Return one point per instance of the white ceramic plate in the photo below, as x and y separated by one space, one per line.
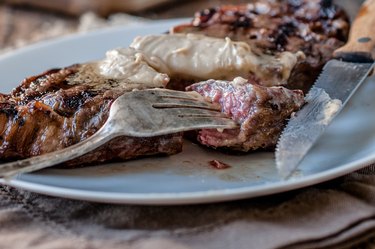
348 144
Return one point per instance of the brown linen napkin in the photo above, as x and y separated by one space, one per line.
331 215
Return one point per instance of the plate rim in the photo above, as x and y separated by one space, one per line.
198 197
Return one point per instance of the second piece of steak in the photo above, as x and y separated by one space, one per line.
315 27
261 111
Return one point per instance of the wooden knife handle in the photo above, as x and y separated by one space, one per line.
361 42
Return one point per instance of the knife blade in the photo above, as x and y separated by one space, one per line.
339 80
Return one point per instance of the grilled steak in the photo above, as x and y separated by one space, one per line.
260 110
62 107
315 27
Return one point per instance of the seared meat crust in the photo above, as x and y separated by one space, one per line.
50 111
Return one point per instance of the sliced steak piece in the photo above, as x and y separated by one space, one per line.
261 111
62 107
314 27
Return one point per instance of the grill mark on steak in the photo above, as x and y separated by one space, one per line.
314 27
51 111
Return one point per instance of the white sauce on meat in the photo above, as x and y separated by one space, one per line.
130 64
192 56
124 68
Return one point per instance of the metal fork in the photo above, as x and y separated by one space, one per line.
144 113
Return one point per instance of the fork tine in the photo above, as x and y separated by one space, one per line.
181 103
201 118
191 111
179 94
209 122
172 102
171 99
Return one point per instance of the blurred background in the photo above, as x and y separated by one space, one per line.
27 21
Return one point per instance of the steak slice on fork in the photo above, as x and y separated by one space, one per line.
260 111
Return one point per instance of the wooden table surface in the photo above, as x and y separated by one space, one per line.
23 25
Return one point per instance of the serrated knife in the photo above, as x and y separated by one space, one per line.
338 81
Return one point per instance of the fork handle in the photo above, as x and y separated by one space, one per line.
102 136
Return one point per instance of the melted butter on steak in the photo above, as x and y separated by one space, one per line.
199 57
124 69
132 65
